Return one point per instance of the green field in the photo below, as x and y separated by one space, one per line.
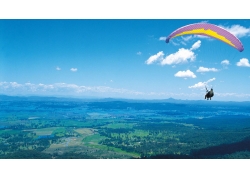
120 125
93 141
84 131
79 129
44 131
9 131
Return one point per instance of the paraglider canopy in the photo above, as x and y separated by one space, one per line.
210 30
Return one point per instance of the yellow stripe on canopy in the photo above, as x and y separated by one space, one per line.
208 32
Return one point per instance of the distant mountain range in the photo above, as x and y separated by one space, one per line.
95 99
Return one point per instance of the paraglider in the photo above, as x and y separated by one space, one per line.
210 30
209 94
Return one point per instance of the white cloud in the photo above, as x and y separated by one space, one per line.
73 69
237 30
198 85
201 85
225 62
58 68
237 95
15 84
181 56
162 38
243 62
204 69
156 57
64 89
210 80
196 45
59 88
139 53
185 74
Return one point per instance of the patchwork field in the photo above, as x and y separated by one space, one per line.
81 130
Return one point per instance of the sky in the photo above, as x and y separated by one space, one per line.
109 59
122 58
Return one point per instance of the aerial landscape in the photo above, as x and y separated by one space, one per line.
124 89
40 127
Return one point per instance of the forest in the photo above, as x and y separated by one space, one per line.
67 128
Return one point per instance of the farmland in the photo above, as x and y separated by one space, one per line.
110 129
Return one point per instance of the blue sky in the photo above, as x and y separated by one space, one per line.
121 58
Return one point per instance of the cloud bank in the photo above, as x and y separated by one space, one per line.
55 88
64 89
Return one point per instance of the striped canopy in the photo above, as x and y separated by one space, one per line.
210 30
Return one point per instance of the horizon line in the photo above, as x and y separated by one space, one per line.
120 98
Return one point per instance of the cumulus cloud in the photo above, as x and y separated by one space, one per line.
196 45
162 38
201 85
181 56
139 53
204 69
185 74
58 68
238 30
73 69
243 62
225 62
156 57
